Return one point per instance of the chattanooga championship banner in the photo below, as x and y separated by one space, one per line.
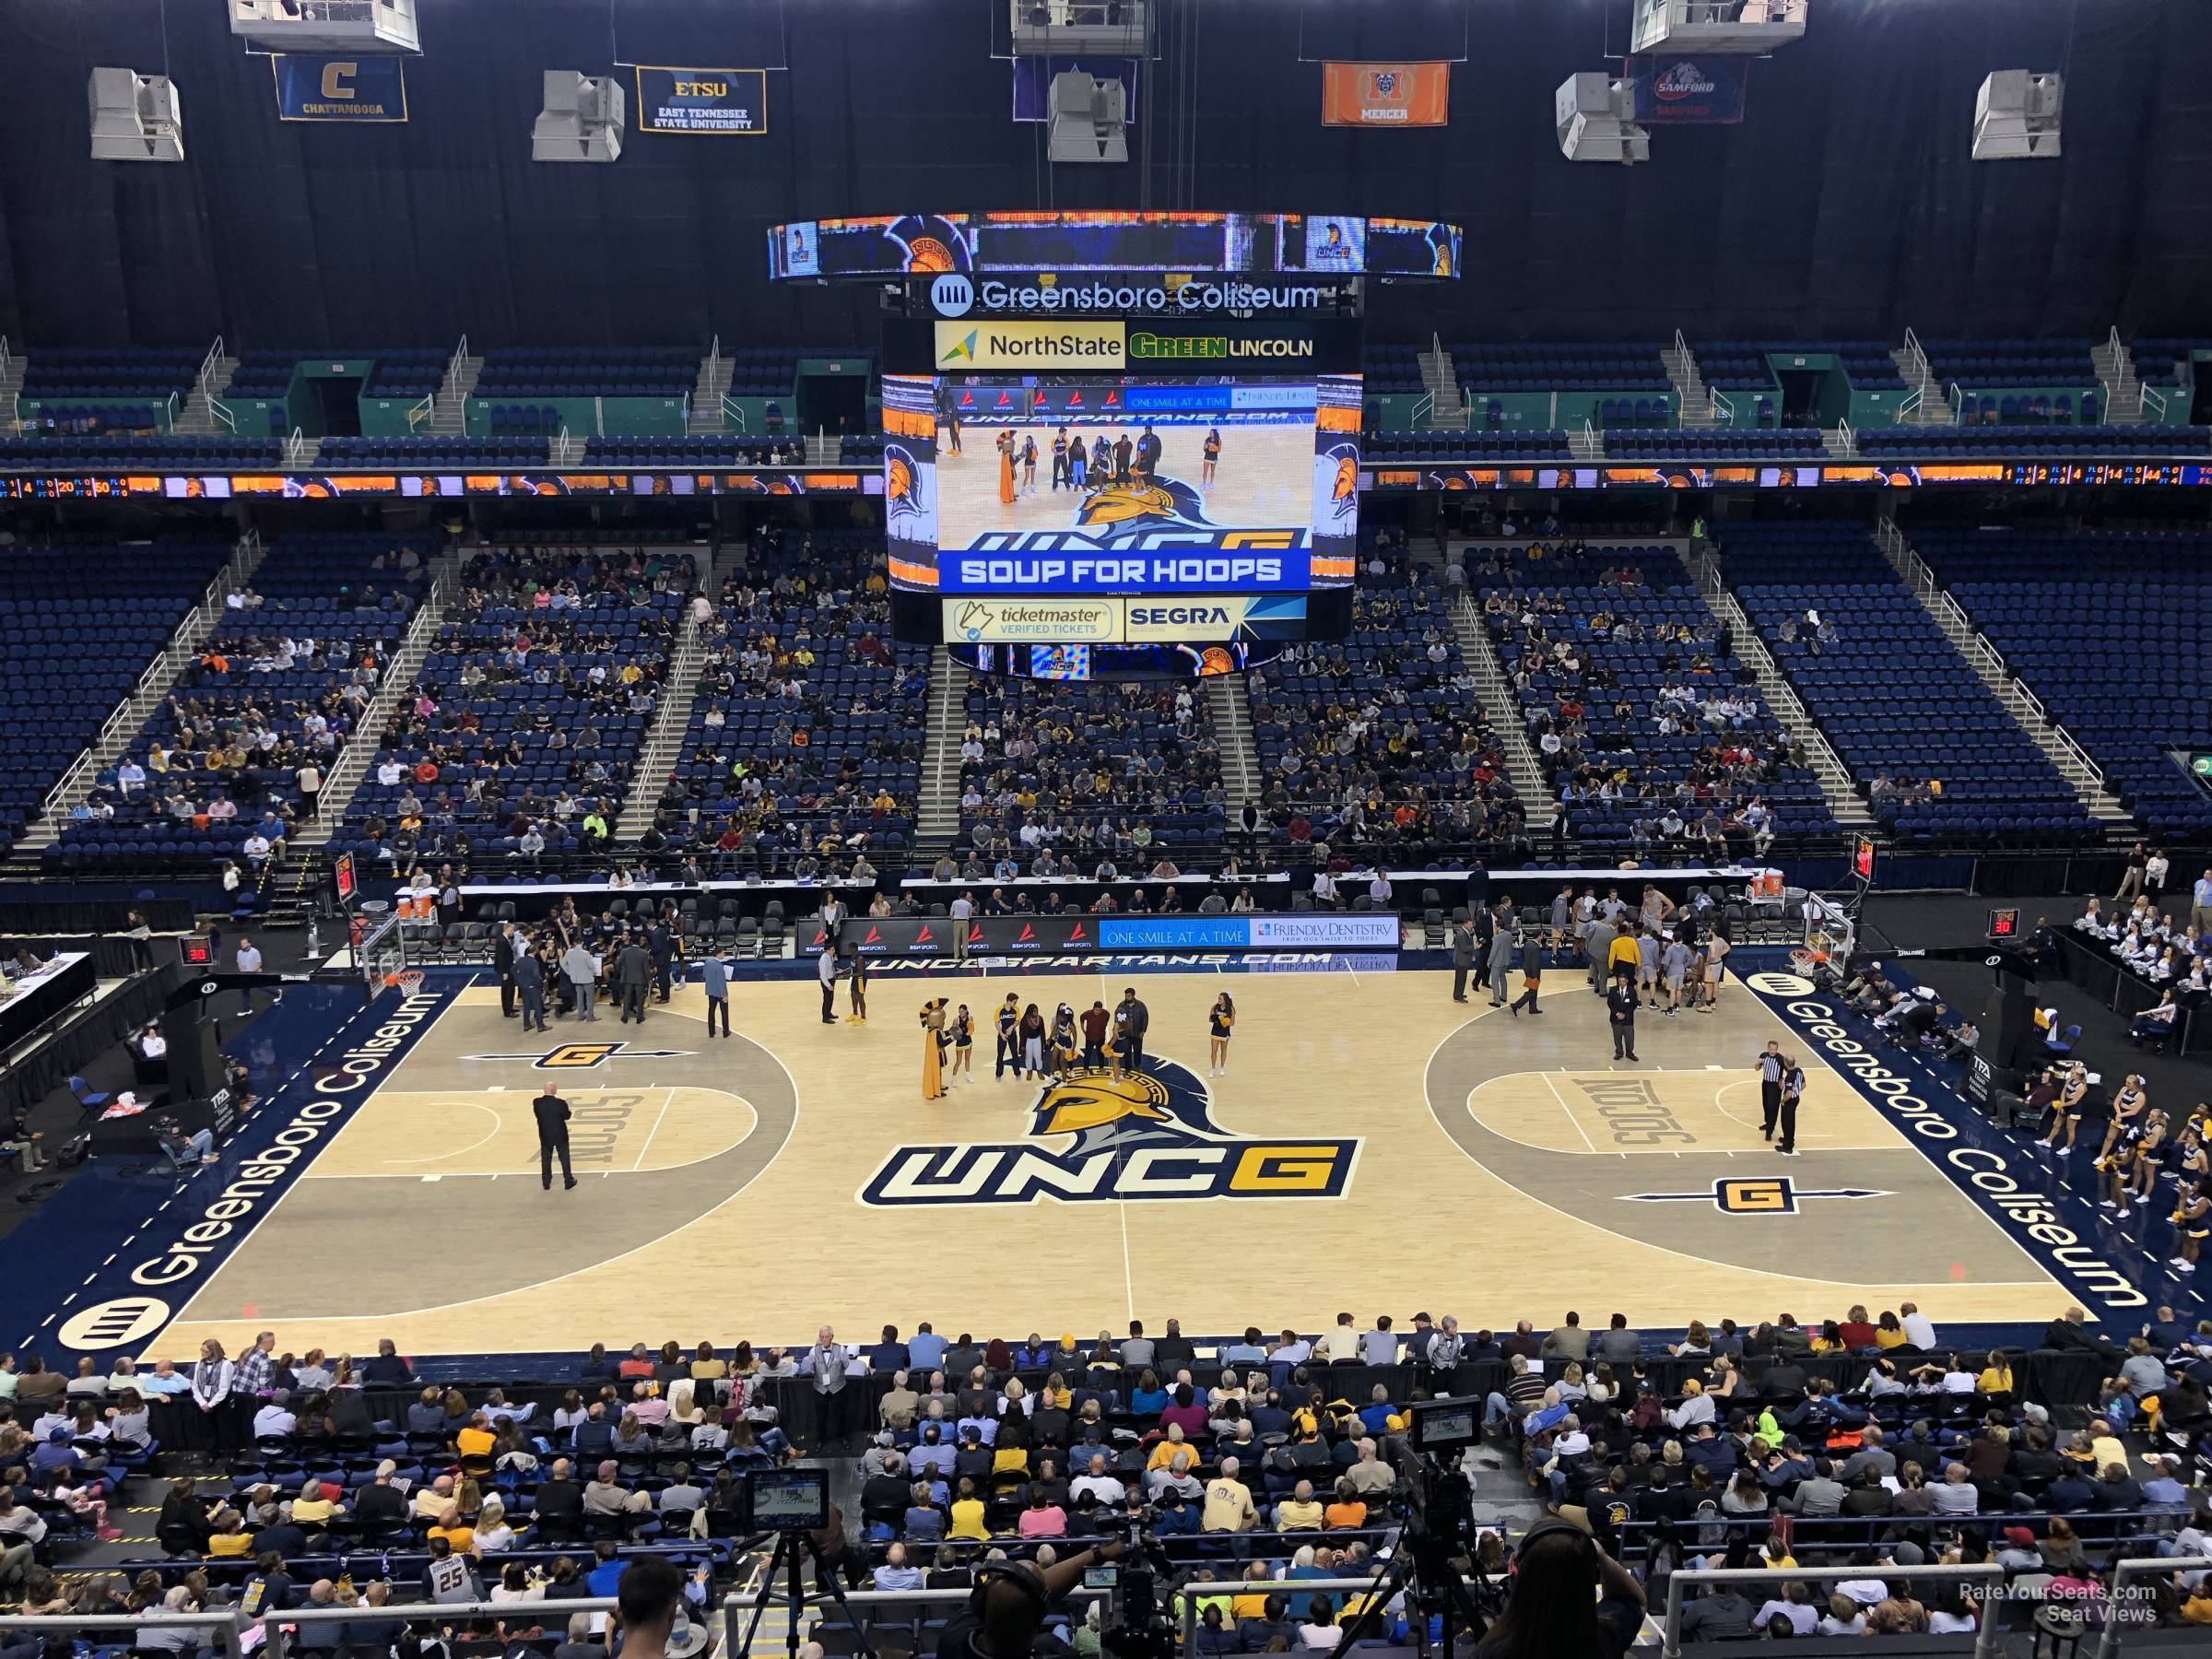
1688 91
335 89
1386 95
725 102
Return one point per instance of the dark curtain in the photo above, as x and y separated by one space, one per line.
94 1031
1846 205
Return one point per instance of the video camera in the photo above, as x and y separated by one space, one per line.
1139 1622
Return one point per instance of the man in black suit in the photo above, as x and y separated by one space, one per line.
1621 1011
633 976
552 1113
502 963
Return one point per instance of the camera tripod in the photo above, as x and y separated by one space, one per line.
1421 1568
791 1548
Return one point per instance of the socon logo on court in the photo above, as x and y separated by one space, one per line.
116 1323
1095 1138
583 1056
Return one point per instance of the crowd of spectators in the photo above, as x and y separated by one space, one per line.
804 748
1647 727
1376 747
518 738
237 751
1064 780
1250 1457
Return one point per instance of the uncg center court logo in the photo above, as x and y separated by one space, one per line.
584 1056
1095 1138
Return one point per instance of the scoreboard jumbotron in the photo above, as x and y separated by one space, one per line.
1154 472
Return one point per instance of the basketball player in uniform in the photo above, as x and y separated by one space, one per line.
952 429
1716 967
1212 453
859 1015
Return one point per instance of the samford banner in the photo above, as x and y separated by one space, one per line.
1687 91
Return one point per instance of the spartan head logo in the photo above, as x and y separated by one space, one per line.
902 486
1336 489
1129 507
1164 1103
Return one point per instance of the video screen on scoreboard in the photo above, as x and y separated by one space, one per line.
1123 484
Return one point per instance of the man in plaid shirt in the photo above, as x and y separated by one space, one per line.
257 1367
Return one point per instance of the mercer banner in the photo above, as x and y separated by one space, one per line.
339 88
1687 91
1386 95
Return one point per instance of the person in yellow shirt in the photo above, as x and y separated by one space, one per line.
475 1440
1889 1334
967 1513
230 1540
1255 1604
312 1507
1300 1512
1228 1506
456 1532
1166 1448
1622 956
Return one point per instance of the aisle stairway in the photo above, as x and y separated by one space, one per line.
938 820
399 678
131 715
664 742
1537 800
1844 802
1231 701
2072 761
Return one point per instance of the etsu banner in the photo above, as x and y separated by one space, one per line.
339 88
1386 95
721 102
1688 91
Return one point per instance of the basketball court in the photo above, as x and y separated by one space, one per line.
1374 1147
1264 478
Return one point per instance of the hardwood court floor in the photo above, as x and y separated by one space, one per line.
1265 479
1479 1165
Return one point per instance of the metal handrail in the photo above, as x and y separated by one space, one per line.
1956 399
225 1626
2140 1566
295 448
278 1644
733 412
162 671
2145 396
1722 406
1987 1572
421 414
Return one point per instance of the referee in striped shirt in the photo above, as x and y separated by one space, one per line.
1770 1089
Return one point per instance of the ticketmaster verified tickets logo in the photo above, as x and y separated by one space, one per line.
1095 1138
1030 345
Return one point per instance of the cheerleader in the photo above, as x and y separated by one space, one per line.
1033 1043
2191 1221
1219 1021
1064 1046
963 1047
2130 1100
2065 1111
2150 1157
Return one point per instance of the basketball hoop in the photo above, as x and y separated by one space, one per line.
408 980
1804 961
